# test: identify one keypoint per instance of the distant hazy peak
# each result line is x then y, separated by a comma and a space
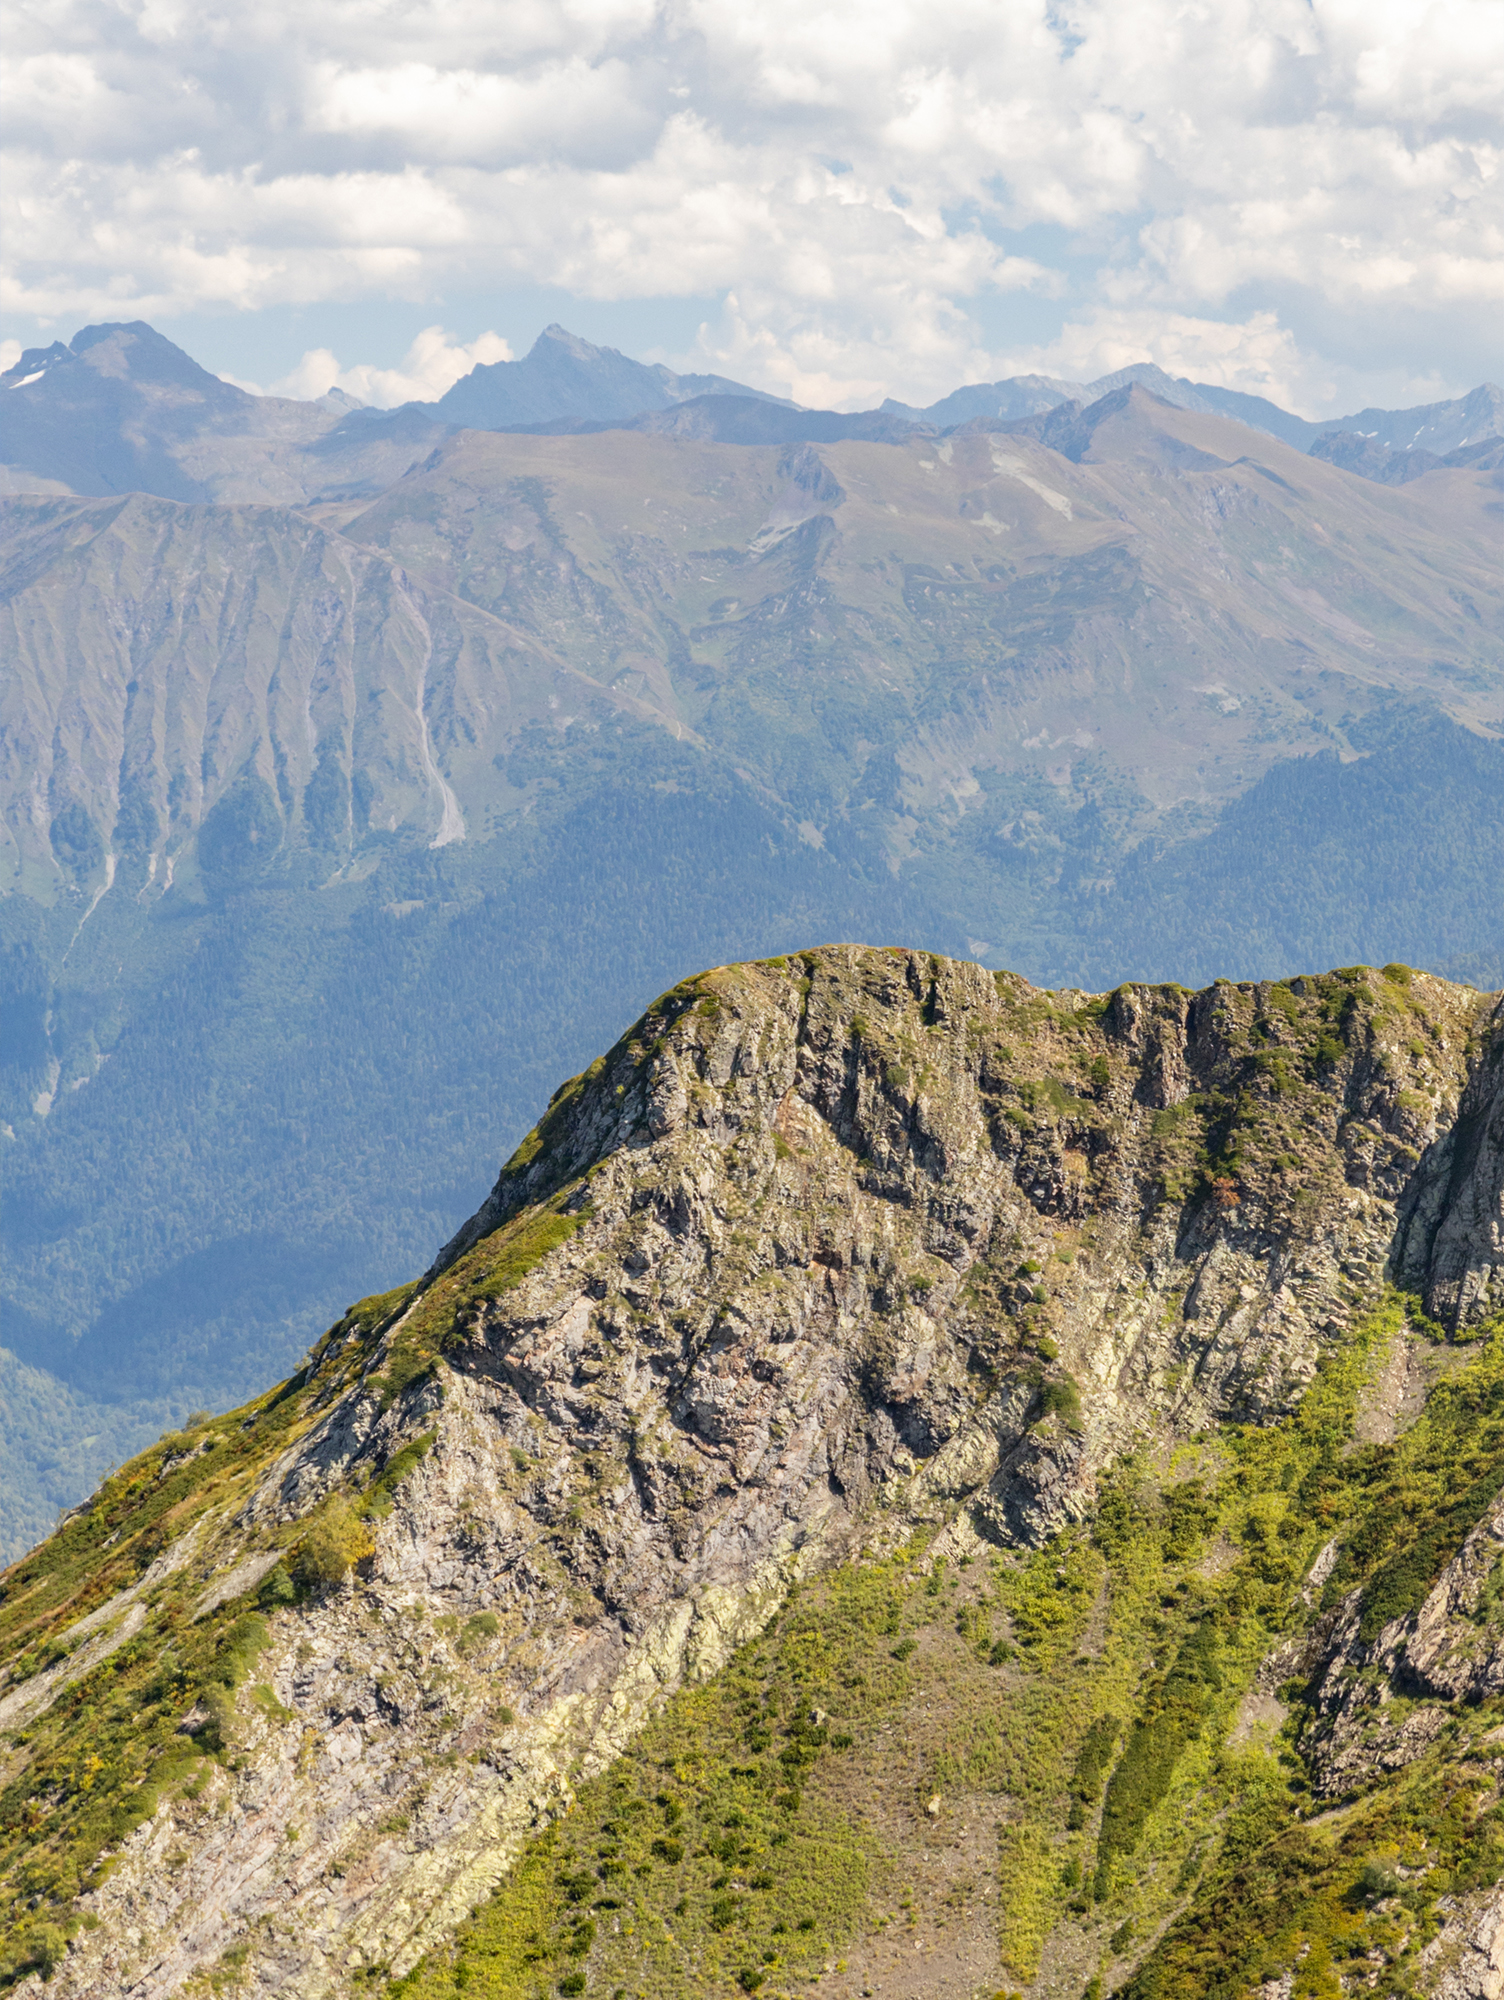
122, 409
1438, 427
1147, 376
563, 376
1133, 420
573, 343
125, 351
33, 365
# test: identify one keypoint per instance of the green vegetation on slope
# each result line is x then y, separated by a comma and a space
494, 1266
104, 1752
1086, 1694
1161, 1610
1356, 1893
1356, 1887
713, 1856
145, 1720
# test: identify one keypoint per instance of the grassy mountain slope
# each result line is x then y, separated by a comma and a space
909, 1482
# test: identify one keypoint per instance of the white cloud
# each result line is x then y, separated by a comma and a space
1256, 355
1294, 192
431, 365
571, 110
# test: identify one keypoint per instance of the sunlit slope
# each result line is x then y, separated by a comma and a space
917, 634
1181, 605
909, 1481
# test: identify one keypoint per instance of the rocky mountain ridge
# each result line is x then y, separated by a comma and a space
564, 376
510, 576
122, 409
855, 1264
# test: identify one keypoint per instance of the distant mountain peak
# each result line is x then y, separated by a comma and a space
563, 376
575, 344
131, 350
123, 409
33, 365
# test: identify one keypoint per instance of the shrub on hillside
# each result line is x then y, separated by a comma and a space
334, 1542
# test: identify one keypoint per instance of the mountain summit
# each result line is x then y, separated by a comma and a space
121, 409
562, 376
905, 1469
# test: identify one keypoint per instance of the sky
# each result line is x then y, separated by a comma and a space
1300, 198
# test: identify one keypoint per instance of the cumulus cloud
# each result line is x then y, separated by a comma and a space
431, 365
1296, 196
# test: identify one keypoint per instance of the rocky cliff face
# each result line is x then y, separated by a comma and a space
1452, 1242
830, 1257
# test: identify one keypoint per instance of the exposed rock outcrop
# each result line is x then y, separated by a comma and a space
1452, 1242
825, 1249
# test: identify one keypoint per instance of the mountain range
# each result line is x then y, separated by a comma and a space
909, 1484
366, 779
121, 409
